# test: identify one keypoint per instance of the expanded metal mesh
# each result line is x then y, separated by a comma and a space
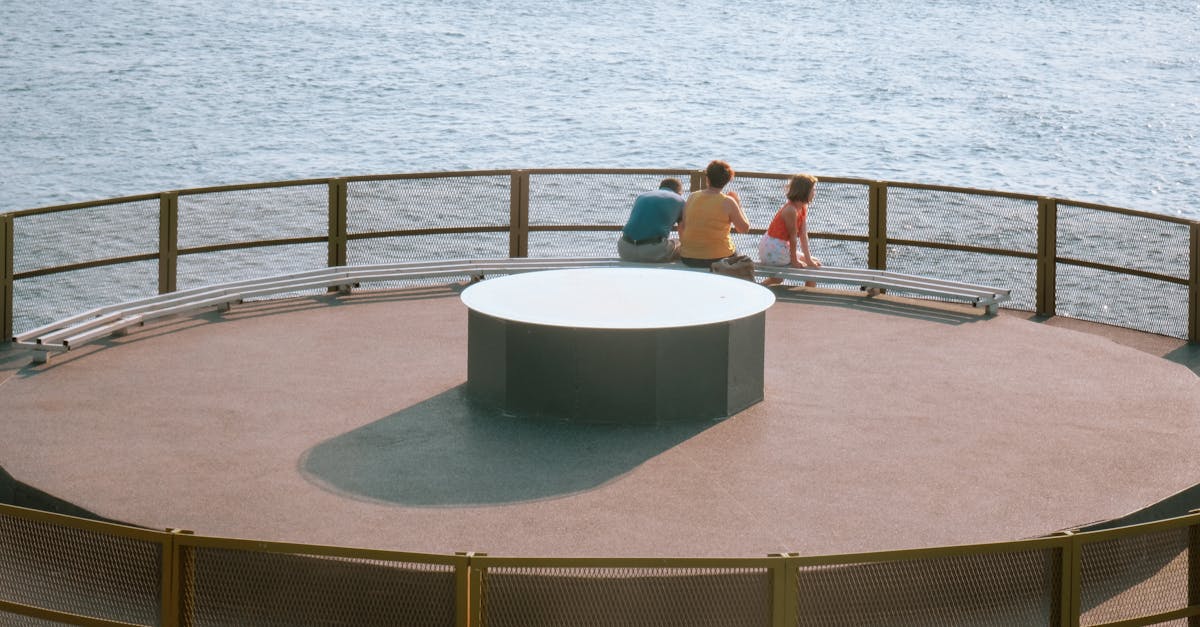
962, 218
1120, 240
248, 215
600, 597
80, 572
1125, 241
1134, 576
43, 299
584, 199
839, 208
236, 587
49, 240
200, 269
378, 206
427, 248
1001, 589
1129, 301
1013, 273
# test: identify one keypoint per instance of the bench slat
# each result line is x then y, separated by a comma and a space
83, 327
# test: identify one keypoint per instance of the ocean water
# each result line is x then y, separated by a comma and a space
1096, 101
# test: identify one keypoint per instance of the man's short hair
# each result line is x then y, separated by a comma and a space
673, 184
719, 173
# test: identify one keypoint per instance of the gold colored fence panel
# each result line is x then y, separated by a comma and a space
578, 213
98, 253
232, 582
81, 568
983, 237
429, 216
601, 592
1020, 583
1121, 267
1144, 573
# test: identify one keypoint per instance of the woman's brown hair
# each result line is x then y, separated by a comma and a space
719, 174
800, 187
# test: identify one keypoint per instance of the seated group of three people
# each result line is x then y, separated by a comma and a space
704, 221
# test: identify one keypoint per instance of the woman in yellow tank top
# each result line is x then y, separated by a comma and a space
709, 213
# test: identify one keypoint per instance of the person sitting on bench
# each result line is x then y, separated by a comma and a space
654, 214
708, 216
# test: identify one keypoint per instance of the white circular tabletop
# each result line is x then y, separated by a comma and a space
618, 298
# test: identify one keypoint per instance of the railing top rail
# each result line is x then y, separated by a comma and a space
292, 548
423, 175
85, 524
493, 561
1129, 212
244, 186
87, 204
631, 171
627, 171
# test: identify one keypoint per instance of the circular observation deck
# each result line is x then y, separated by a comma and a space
887, 423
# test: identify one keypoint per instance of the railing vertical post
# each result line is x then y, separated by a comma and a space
785, 590
1194, 286
337, 222
518, 221
1065, 612
1074, 581
1047, 254
877, 226
169, 612
697, 181
1193, 572
168, 241
475, 602
462, 590
6, 278
183, 579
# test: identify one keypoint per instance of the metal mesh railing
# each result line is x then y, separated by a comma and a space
45, 298
436, 201
529, 596
89, 233
302, 586
200, 269
47, 563
561, 200
964, 218
1021, 587
1015, 273
1134, 576
1154, 300
57, 567
248, 214
80, 237
1114, 266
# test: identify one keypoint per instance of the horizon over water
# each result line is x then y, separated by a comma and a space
1097, 102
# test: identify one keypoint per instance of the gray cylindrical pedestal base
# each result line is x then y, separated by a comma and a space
644, 376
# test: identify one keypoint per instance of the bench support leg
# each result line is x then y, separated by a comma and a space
992, 308
41, 357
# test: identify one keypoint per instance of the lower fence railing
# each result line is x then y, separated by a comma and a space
57, 569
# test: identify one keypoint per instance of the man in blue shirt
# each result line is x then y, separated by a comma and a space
654, 214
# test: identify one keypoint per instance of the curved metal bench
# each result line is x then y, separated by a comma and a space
70, 332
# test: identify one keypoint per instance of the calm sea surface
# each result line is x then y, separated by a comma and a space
1096, 101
